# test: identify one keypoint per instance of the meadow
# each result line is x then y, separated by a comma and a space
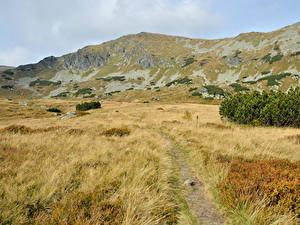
113, 165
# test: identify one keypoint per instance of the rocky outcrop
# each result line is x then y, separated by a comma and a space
49, 62
83, 60
147, 61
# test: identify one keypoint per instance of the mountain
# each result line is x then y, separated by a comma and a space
152, 62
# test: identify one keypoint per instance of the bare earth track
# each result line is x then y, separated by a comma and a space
200, 204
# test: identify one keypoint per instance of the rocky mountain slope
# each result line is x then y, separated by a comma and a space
146, 61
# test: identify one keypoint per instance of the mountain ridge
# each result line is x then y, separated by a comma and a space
144, 61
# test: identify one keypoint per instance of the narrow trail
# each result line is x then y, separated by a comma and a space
199, 203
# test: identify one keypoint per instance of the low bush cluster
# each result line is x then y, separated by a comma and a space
115, 78
56, 110
83, 91
7, 87
188, 61
295, 53
274, 181
214, 90
8, 72
268, 58
272, 79
266, 109
196, 94
237, 87
39, 82
193, 89
88, 105
184, 80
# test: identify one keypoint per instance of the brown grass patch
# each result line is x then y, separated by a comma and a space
294, 138
74, 131
217, 126
21, 129
81, 113
116, 132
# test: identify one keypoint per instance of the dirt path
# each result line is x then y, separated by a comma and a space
199, 203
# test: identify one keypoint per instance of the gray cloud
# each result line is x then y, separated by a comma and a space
56, 27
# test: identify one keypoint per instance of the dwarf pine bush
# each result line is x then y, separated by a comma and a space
88, 105
266, 109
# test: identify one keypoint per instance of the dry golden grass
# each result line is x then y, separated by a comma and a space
132, 177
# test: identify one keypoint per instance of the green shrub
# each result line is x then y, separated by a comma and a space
265, 72
266, 109
237, 87
249, 82
192, 89
295, 53
8, 72
272, 79
83, 91
268, 58
275, 58
115, 78
196, 94
88, 105
214, 90
54, 110
39, 82
7, 86
188, 61
184, 80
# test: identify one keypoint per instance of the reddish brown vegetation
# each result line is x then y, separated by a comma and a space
275, 181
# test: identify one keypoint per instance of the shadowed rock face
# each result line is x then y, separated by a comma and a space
83, 60
147, 61
50, 61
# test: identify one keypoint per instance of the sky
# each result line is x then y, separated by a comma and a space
31, 30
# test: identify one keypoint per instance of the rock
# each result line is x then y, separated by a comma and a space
203, 90
49, 62
23, 103
83, 60
234, 61
69, 115
189, 182
146, 61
